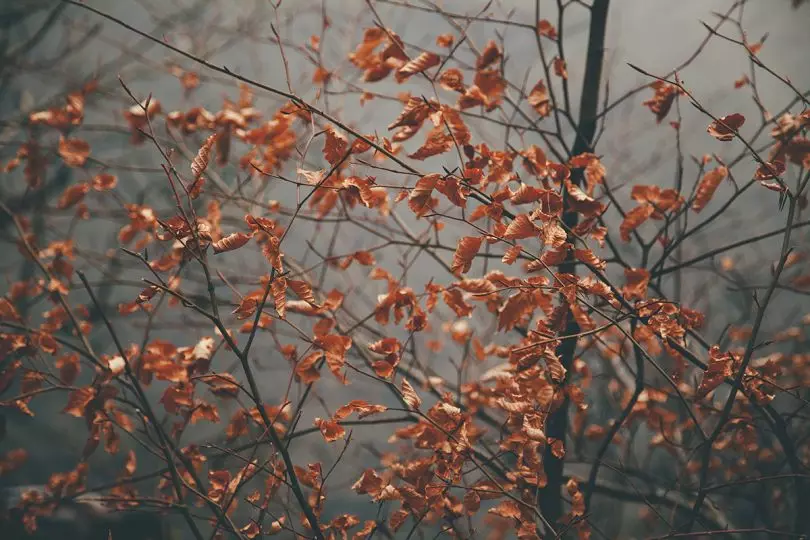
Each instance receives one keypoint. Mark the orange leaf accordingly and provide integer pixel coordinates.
(637, 280)
(200, 161)
(272, 251)
(74, 152)
(424, 61)
(279, 289)
(420, 199)
(410, 396)
(539, 100)
(302, 290)
(335, 147)
(72, 196)
(634, 219)
(104, 182)
(521, 227)
(335, 347)
(438, 141)
(362, 407)
(721, 365)
(452, 79)
(231, 242)
(330, 429)
(489, 55)
(707, 186)
(307, 370)
(466, 250)
(78, 401)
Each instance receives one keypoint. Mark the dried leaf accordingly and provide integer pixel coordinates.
(279, 289)
(200, 161)
(231, 242)
(633, 220)
(723, 129)
(707, 186)
(424, 61)
(331, 430)
(410, 396)
(74, 152)
(420, 199)
(466, 250)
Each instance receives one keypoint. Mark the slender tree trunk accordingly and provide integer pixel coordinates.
(551, 502)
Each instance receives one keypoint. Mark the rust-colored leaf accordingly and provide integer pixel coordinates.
(466, 250)
(707, 186)
(424, 61)
(723, 129)
(74, 152)
(200, 161)
(231, 242)
(420, 199)
(409, 395)
(279, 290)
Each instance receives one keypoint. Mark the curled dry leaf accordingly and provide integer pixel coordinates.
(410, 396)
(707, 186)
(723, 129)
(466, 250)
(424, 61)
(231, 242)
(302, 290)
(279, 290)
(420, 199)
(200, 161)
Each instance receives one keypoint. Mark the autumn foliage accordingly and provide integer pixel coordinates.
(311, 325)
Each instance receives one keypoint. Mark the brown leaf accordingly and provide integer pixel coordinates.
(634, 219)
(231, 242)
(707, 186)
(272, 252)
(438, 141)
(335, 147)
(74, 152)
(331, 430)
(521, 227)
(72, 195)
(489, 55)
(539, 100)
(200, 161)
(335, 347)
(424, 61)
(723, 129)
(721, 365)
(410, 396)
(302, 290)
(279, 289)
(420, 199)
(636, 282)
(452, 79)
(466, 250)
(104, 182)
